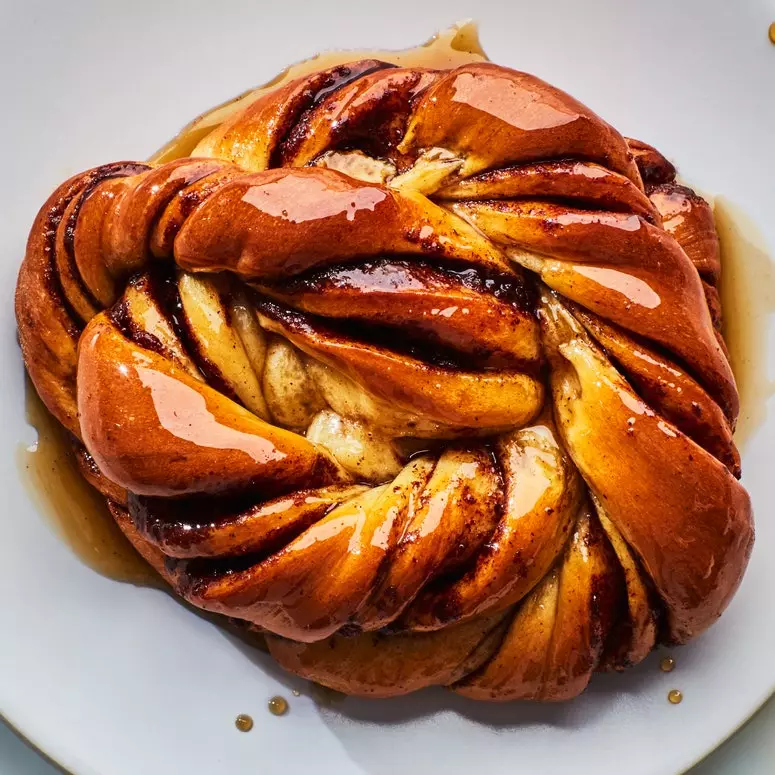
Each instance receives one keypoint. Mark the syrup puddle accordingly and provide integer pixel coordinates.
(747, 300)
(73, 508)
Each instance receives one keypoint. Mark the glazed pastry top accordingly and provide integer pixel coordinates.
(418, 370)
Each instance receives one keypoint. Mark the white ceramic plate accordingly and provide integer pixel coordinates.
(111, 679)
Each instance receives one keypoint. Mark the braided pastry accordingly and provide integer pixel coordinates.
(417, 371)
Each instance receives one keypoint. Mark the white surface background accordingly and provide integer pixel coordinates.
(750, 752)
(112, 678)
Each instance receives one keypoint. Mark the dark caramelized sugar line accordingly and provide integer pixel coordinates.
(579, 203)
(192, 576)
(380, 129)
(346, 74)
(294, 132)
(456, 570)
(399, 340)
(69, 257)
(106, 172)
(163, 287)
(184, 522)
(386, 273)
(621, 632)
(546, 167)
(125, 323)
(53, 219)
(654, 168)
(83, 187)
(189, 198)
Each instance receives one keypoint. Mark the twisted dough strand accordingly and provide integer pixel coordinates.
(489, 229)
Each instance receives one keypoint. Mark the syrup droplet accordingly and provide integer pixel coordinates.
(674, 696)
(243, 722)
(278, 706)
(296, 693)
(772, 32)
(667, 665)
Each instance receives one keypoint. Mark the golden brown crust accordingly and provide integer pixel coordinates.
(494, 318)
(629, 455)
(557, 637)
(48, 332)
(621, 268)
(171, 434)
(494, 116)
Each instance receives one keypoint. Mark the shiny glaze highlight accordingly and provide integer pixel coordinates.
(417, 369)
